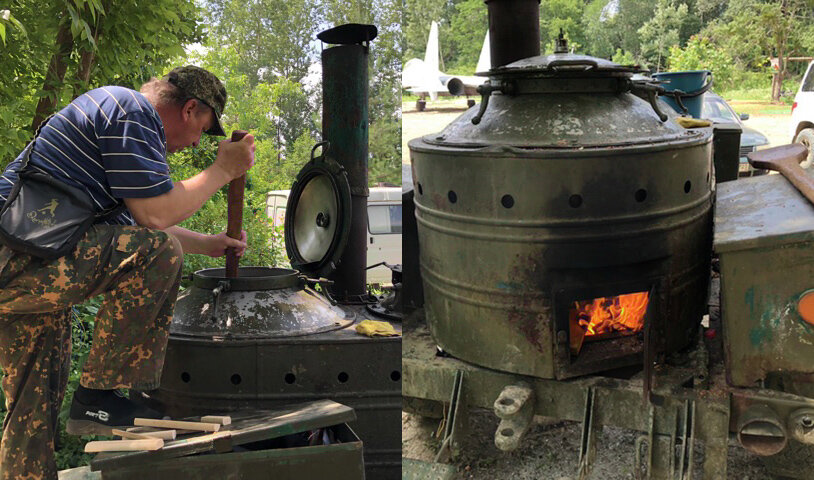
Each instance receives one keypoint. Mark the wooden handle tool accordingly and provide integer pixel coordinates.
(235, 213)
(124, 445)
(786, 160)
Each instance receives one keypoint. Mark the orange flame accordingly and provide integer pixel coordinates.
(623, 314)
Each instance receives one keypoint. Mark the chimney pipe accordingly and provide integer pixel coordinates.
(514, 30)
(345, 126)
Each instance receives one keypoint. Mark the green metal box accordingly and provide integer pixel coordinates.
(764, 236)
(258, 445)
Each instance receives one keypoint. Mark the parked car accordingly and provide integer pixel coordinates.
(802, 115)
(717, 110)
(383, 227)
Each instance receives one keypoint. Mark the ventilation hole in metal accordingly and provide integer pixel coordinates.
(507, 201)
(185, 377)
(687, 186)
(641, 195)
(342, 377)
(575, 201)
(707, 177)
(452, 196)
(420, 190)
(236, 379)
(290, 378)
(395, 375)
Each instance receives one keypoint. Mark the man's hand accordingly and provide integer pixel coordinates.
(216, 245)
(187, 196)
(235, 158)
(204, 244)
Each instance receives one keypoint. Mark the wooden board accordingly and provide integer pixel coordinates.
(247, 426)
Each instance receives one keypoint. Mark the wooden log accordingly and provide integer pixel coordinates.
(222, 420)
(124, 445)
(162, 434)
(129, 435)
(197, 426)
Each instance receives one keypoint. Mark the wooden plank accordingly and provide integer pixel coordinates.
(197, 426)
(129, 435)
(220, 420)
(149, 444)
(162, 434)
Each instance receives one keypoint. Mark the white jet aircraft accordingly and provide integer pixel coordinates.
(424, 78)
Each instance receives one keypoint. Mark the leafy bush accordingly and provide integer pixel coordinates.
(701, 54)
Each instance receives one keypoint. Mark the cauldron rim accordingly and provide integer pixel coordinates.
(249, 278)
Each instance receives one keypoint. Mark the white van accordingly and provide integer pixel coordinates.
(383, 227)
(802, 115)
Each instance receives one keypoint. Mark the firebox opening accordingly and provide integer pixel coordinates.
(607, 317)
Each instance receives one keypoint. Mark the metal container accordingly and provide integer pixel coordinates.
(764, 238)
(563, 186)
(264, 340)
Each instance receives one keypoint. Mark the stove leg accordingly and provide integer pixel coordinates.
(587, 448)
(456, 423)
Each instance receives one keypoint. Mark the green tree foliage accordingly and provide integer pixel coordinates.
(418, 15)
(55, 50)
(701, 54)
(662, 32)
(752, 30)
(565, 16)
(468, 26)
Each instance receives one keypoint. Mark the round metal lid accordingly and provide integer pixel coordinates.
(562, 64)
(318, 216)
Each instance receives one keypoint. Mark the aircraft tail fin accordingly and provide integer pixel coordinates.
(485, 59)
(431, 55)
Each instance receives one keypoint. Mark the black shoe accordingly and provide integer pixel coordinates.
(112, 410)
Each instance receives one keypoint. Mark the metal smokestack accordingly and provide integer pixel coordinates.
(345, 127)
(514, 30)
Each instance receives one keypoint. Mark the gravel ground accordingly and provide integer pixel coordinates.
(550, 451)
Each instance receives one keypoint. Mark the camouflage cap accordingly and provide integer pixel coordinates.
(204, 86)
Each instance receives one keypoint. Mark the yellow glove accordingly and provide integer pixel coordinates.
(372, 328)
(689, 122)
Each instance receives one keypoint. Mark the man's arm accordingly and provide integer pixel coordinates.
(187, 196)
(212, 245)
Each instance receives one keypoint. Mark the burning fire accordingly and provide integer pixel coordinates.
(622, 314)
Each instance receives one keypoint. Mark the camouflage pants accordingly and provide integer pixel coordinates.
(138, 271)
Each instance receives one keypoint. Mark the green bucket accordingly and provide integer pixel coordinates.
(685, 88)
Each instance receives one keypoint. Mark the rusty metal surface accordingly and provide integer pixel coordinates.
(262, 303)
(501, 235)
(764, 236)
(345, 127)
(572, 121)
(761, 212)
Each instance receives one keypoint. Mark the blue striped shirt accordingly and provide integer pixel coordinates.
(109, 141)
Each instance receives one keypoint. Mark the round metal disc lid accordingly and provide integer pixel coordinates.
(318, 216)
(557, 64)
